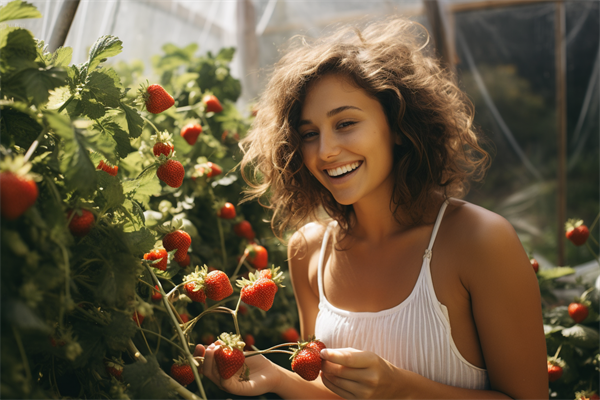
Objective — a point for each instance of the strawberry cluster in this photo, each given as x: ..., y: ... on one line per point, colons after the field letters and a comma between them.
x: 202, y: 284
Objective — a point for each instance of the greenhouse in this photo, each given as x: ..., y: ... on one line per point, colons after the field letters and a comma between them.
x: 230, y: 199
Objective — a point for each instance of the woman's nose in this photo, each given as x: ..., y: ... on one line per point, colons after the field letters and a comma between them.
x: 329, y: 145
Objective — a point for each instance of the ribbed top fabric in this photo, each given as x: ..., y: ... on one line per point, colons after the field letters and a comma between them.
x: 414, y: 335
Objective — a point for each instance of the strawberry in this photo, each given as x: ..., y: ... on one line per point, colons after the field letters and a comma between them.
x: 156, y: 98
x: 555, y: 371
x: 213, y: 170
x: 306, y: 362
x: 290, y: 335
x: 190, y: 132
x: 260, y: 291
x: 230, y: 137
x: 185, y: 262
x: 81, y: 222
x: 535, y: 265
x: 137, y: 318
x: 229, y: 357
x: 243, y: 309
x: 163, y: 144
x: 266, y: 273
x: 17, y: 194
x: 184, y: 317
x: 158, y: 254
x: 212, y: 103
x: 182, y: 372
x: 171, y: 172
x: 179, y: 240
x: 576, y: 232
x: 244, y: 230
x: 249, y: 340
x: 156, y: 296
x: 257, y: 255
x: 114, y: 368
x: 227, y: 211
x: 207, y: 339
x: 316, y: 344
x: 109, y: 169
x: 217, y: 285
x: 195, y: 291
x: 578, y: 312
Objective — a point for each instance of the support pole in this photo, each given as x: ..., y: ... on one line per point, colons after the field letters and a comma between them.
x: 442, y: 32
x: 561, y: 124
x: 63, y: 24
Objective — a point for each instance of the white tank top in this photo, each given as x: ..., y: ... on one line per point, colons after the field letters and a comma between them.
x: 414, y: 335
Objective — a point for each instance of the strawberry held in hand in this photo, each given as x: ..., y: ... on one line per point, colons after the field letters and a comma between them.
x: 18, y: 190
x: 260, y: 291
x: 306, y: 362
x: 257, y: 256
x: 81, y: 223
x: 578, y: 311
x: 190, y: 132
x: 182, y: 372
x: 229, y: 357
x: 576, y: 232
x: 212, y: 103
x: 156, y: 98
x: 171, y: 172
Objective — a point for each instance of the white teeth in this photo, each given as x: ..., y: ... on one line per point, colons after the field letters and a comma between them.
x: 343, y: 169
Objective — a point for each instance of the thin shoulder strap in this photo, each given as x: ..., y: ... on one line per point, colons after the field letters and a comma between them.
x: 438, y: 222
x: 322, y: 259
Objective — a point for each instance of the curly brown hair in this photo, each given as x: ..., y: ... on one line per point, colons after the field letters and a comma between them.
x: 440, y: 152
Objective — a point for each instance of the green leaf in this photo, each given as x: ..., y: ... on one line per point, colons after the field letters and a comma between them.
x: 140, y: 241
x: 121, y: 138
x: 110, y: 193
x: 58, y: 97
x: 106, y: 46
x: 135, y: 122
x: 104, y: 85
x: 75, y: 163
x: 17, y: 50
x: 226, y: 55
x: 62, y: 57
x: 553, y: 273
x: 582, y: 336
x: 145, y: 186
x: 19, y: 124
x: 92, y: 107
x: 101, y: 142
x: 550, y: 329
x: 18, y: 10
x: 39, y: 82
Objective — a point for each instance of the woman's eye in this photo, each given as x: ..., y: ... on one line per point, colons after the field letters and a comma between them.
x: 308, y: 135
x: 345, y: 124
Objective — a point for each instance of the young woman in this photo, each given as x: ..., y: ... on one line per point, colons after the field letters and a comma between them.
x: 416, y: 293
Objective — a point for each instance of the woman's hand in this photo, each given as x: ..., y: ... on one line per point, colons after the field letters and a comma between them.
x: 263, y: 376
x: 355, y: 374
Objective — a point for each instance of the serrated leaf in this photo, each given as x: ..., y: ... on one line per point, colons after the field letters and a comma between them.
x: 110, y: 192
x: 75, y: 163
x: 135, y: 122
x: 140, y: 241
x: 582, y: 336
x: 18, y: 9
x: 62, y: 57
x: 104, y: 85
x: 106, y: 46
x: 58, y: 97
x: 39, y: 82
x: 550, y: 329
x: 553, y: 273
x: 18, y: 124
x: 142, y: 188
x: 91, y: 107
x: 121, y: 138
x: 170, y: 273
x: 100, y: 142
x: 18, y: 50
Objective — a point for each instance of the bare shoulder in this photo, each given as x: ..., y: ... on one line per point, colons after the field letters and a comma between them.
x: 306, y: 240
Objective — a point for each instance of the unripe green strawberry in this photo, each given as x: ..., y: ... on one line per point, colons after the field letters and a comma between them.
x: 157, y: 99
x: 17, y: 194
x: 171, y: 172
x: 190, y: 132
x: 81, y: 223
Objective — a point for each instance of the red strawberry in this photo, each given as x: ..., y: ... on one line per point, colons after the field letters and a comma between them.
x: 229, y: 357
x: 190, y: 132
x: 249, y: 340
x: 207, y: 339
x: 156, y: 296
x: 217, y: 285
x: 114, y: 369
x: 162, y: 148
x: 317, y: 345
x: 185, y: 262
x: 260, y: 291
x: 171, y: 172
x: 306, y: 362
x: 244, y: 230
x: 182, y: 372
x: 578, y: 235
x: 227, y: 211
x: 184, y: 317
x: 578, y: 312
x: 17, y: 194
x: 81, y: 223
x: 195, y: 291
x: 137, y: 318
x: 266, y: 273
x: 535, y: 265
x: 555, y: 371
x: 158, y: 254
x: 179, y: 240
x: 213, y: 170
x: 109, y: 169
x: 257, y: 255
x: 157, y: 99
x: 212, y: 103
x: 290, y: 335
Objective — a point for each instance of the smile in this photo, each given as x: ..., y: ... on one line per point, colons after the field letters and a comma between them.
x: 343, y: 170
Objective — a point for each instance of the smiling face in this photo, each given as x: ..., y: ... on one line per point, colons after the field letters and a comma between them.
x: 346, y: 140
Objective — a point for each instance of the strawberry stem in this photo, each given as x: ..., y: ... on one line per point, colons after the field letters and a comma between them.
x: 255, y: 353
x: 595, y: 222
x: 161, y: 337
x: 34, y: 145
x: 184, y: 342
x: 183, y: 392
x: 234, y: 313
x: 135, y: 352
x: 188, y: 108
x: 23, y: 355
x: 557, y: 352
x: 151, y: 124
x: 592, y: 251
x: 237, y: 269
x: 65, y: 104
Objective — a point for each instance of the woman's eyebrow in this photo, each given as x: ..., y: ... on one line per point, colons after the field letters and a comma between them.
x: 330, y: 114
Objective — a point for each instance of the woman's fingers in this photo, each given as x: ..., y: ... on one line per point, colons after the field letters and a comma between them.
x: 337, y: 386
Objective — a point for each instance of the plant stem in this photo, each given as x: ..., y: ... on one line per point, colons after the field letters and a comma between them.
x: 237, y: 269
x: 557, y: 352
x: 162, y: 337
x: 234, y: 313
x: 184, y: 342
x: 594, y: 240
x: 135, y: 352
x: 65, y: 104
x: 23, y: 356
x: 267, y: 352
x: 183, y: 392
x: 595, y: 222
x: 151, y: 124
x: 592, y: 251
x: 34, y: 145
